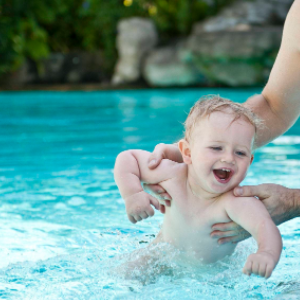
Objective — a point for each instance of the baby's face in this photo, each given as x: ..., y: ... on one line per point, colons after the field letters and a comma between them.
x: 221, y: 151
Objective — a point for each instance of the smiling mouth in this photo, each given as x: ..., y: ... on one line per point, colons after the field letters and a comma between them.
x: 223, y: 175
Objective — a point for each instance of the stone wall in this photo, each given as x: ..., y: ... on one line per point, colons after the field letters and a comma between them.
x: 235, y: 48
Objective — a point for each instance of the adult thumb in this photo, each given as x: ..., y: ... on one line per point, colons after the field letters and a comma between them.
x: 153, y: 162
x: 248, y: 191
x: 156, y: 156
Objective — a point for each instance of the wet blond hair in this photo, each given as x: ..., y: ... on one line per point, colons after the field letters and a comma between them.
x: 206, y: 105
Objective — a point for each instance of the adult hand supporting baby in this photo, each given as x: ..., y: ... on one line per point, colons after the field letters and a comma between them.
x: 162, y: 151
x: 283, y: 204
x: 279, y: 107
x: 160, y: 193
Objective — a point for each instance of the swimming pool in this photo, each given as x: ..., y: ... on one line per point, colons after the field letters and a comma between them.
x: 63, y: 225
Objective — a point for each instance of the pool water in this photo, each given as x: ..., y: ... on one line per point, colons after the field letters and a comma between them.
x: 63, y: 227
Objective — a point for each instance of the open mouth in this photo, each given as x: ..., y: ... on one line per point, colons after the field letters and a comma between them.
x: 223, y: 175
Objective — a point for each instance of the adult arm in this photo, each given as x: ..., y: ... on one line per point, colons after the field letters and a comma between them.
x: 279, y: 104
x: 279, y: 107
x: 283, y: 204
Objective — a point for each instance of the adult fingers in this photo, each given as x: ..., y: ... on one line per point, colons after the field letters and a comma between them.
x: 227, y: 240
x: 251, y: 190
x: 166, y: 196
x: 162, y: 208
x: 222, y: 234
x: 168, y: 203
x: 156, y: 156
x: 155, y: 188
x: 225, y: 226
x: 235, y: 238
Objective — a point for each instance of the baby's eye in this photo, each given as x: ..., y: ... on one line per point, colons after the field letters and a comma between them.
x: 216, y: 148
x: 241, y: 153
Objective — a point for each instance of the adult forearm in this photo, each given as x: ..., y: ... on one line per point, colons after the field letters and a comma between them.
x: 295, y: 196
x: 273, y: 125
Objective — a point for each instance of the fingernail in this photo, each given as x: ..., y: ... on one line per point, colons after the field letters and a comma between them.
x: 153, y: 162
x: 239, y: 191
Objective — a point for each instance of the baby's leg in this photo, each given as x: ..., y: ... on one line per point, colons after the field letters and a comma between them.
x: 145, y: 265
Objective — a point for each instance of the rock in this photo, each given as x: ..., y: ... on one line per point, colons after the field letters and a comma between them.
x: 84, y: 67
x: 247, y: 13
x: 26, y: 74
x: 60, y: 68
x: 72, y: 68
x: 167, y: 67
x: 136, y: 37
x: 52, y: 69
x: 235, y: 58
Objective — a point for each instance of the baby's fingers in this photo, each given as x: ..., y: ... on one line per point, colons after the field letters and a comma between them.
x: 132, y: 219
x: 137, y: 218
x: 255, y: 267
x: 269, y: 271
x: 265, y: 270
x: 155, y: 203
x: 247, y: 270
x: 262, y: 269
x: 150, y: 212
x: 144, y: 215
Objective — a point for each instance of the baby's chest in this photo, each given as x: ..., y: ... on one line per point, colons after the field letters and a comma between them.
x: 192, y: 212
x: 200, y: 214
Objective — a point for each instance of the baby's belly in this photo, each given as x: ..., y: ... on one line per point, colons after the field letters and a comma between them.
x: 196, y: 245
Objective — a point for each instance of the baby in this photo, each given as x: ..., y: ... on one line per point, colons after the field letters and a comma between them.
x: 217, y: 152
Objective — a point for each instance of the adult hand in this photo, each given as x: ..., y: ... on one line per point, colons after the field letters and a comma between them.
x: 162, y: 151
x: 160, y: 193
x: 282, y: 204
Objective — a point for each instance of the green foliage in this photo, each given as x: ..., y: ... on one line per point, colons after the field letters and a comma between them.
x: 34, y: 28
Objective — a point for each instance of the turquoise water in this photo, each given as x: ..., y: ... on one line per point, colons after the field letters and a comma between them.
x: 63, y: 227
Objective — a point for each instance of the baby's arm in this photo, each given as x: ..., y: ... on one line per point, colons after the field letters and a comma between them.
x: 130, y: 169
x: 252, y: 215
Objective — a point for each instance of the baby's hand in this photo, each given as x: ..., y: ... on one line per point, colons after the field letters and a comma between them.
x: 260, y: 263
x: 138, y: 206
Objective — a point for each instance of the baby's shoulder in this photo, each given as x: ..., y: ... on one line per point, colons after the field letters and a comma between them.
x: 230, y: 197
x: 230, y: 201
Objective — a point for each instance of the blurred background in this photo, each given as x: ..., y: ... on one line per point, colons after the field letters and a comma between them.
x: 107, y: 44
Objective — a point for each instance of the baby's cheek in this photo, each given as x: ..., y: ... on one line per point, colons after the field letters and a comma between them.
x: 244, y: 171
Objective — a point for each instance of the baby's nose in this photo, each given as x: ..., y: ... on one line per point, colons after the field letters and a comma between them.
x: 229, y: 159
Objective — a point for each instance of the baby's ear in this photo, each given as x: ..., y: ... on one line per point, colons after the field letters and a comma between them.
x: 185, y: 150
